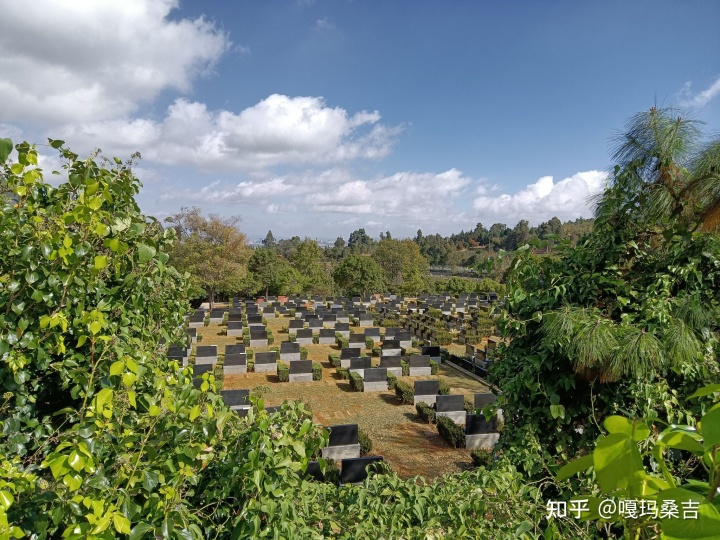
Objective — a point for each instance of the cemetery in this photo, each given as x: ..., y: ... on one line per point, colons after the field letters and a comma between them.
x: 352, y: 373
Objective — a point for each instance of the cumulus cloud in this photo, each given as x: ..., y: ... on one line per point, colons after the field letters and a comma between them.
x: 566, y: 199
x: 97, y: 60
x: 277, y: 130
x: 688, y: 99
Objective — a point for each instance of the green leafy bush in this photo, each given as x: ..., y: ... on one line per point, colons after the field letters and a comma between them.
x: 434, y: 367
x: 303, y: 353
x: 425, y: 412
x: 405, y: 392
x: 369, y: 343
x: 199, y: 337
x: 343, y: 373
x: 283, y: 372
x: 392, y: 381
x: 405, y: 368
x: 316, y: 340
x: 376, y: 351
x: 356, y: 382
x: 444, y: 387
x: 366, y: 444
x: 343, y: 342
x: 334, y: 360
x: 317, y: 371
x: 451, y: 432
x: 443, y: 337
x: 481, y: 457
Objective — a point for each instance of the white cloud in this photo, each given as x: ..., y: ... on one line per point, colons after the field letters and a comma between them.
x: 77, y: 61
x: 687, y: 99
x: 277, y: 130
x: 566, y: 199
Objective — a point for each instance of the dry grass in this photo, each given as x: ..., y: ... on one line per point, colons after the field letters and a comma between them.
x: 409, y: 446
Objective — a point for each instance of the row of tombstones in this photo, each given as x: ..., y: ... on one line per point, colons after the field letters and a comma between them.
x: 479, y: 432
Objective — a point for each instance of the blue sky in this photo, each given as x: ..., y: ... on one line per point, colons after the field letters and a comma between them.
x: 315, y: 118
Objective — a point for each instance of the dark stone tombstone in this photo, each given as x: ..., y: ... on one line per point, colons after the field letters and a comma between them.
x: 342, y: 327
x: 300, y: 366
x: 378, y: 374
x: 343, y: 434
x: 358, y: 339
x: 391, y: 344
x: 313, y: 471
x: 432, y: 352
x: 206, y: 350
x: 305, y: 333
x: 350, y: 352
x: 362, y: 362
x: 235, y: 398
x: 418, y: 361
x: 390, y: 362
x: 234, y: 349
x: 198, y: 370
x: 287, y: 347
x: 258, y: 334
x: 315, y: 323
x: 426, y: 388
x: 356, y: 470
x: 266, y: 357
x: 475, y: 424
x: 234, y: 360
x: 451, y: 403
x: 234, y: 328
x: 327, y: 333
x: 296, y: 324
x: 485, y: 398
x: 373, y: 333
x: 254, y: 319
x: 176, y: 351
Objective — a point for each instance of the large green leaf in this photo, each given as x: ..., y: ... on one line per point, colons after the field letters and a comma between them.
x: 697, y: 518
x: 6, y: 147
x: 574, y: 467
x: 617, y: 462
x: 145, y: 253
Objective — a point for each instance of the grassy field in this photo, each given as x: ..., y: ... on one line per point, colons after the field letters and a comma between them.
x: 408, y: 445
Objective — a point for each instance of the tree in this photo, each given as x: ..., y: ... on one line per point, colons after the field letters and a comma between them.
x: 360, y: 242
x: 264, y: 266
x: 519, y: 236
x: 212, y: 250
x: 626, y: 321
x: 398, y: 259
x: 358, y: 275
x: 307, y: 260
x: 269, y: 240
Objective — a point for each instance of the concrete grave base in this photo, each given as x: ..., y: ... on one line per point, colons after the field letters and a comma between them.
x: 392, y: 352
x: 240, y: 408
x: 269, y: 315
x: 304, y: 341
x: 456, y: 416
x: 205, y: 360
x: 486, y: 440
x: 216, y: 320
x: 420, y: 371
x: 238, y: 332
x: 345, y: 334
x: 196, y: 324
x: 258, y: 343
x: 378, y: 386
x: 265, y: 368
x: 397, y: 371
x: 406, y: 344
x: 429, y: 400
x: 363, y: 323
x: 360, y: 372
x: 326, y: 341
x: 234, y: 370
x: 301, y: 377
x: 289, y: 357
x: 337, y: 453
x: 345, y: 363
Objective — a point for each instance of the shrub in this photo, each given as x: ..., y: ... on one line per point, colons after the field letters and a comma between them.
x: 316, y: 371
x: 343, y: 373
x: 250, y: 354
x: 481, y: 457
x: 199, y: 337
x: 443, y: 337
x: 356, y: 382
x: 316, y: 340
x: 283, y: 372
x: 451, y: 432
x: 434, y: 367
x: 425, y: 412
x: 343, y: 342
x: 469, y: 404
x: 369, y: 343
x: 271, y: 337
x: 292, y: 312
x: 405, y: 392
x: 376, y: 351
x: 444, y: 387
x: 405, y: 368
x: 292, y: 338
x: 366, y: 444
x: 334, y: 360
x: 391, y: 381
x: 259, y: 391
